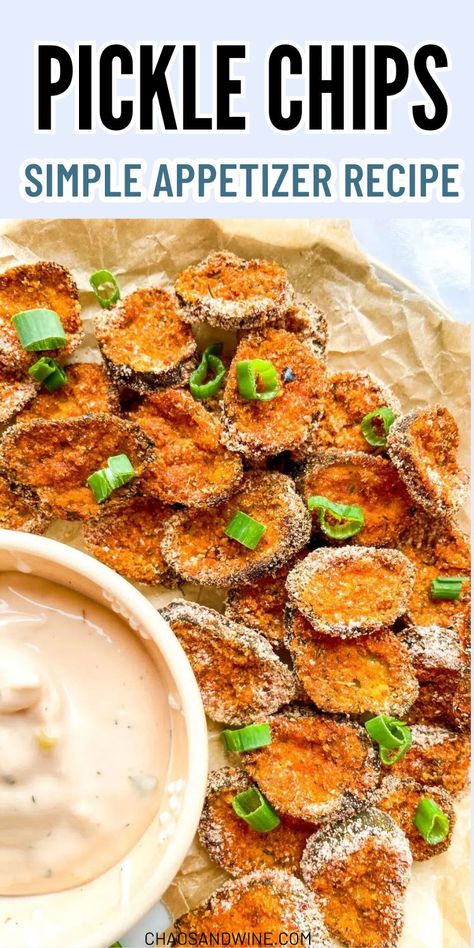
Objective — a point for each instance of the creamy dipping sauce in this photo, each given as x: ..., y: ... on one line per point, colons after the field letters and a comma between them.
x: 84, y: 737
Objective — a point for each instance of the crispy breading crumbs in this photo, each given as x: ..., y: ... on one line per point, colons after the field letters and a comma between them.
x: 87, y: 391
x: 437, y: 757
x: 15, y: 394
x: 400, y: 799
x: 21, y: 511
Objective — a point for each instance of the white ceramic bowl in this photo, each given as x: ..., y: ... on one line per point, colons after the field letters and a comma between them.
x: 94, y: 915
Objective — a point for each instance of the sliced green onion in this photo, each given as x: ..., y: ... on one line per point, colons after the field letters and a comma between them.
x: 100, y: 485
x: 105, y: 287
x: 376, y: 426
x: 245, y: 530
x: 247, y: 738
x: 252, y: 807
x: 39, y: 329
x: 49, y: 372
x: 431, y: 822
x: 119, y: 471
x: 209, y: 364
x: 393, y: 737
x: 250, y: 372
x: 446, y: 587
x: 350, y: 518
x: 121, y: 468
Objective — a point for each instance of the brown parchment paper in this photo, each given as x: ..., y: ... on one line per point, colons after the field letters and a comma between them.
x: 417, y: 349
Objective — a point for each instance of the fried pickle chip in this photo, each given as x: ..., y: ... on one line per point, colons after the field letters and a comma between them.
x: 372, y: 673
x: 400, y: 799
x: 238, y: 673
x: 15, y: 394
x: 443, y: 551
x: 237, y: 847
x: 351, y: 591
x: 224, y: 290
x: 370, y: 482
x: 270, y: 903
x: 145, y: 342
x: 40, y: 285
x: 262, y: 605
x: 316, y: 768
x: 259, y: 429
x: 440, y: 665
x: 87, y: 391
x: 196, y: 547
x: 349, y: 397
x: 55, y: 458
x: 423, y: 446
x: 127, y: 537
x: 437, y: 757
x: 359, y: 870
x: 307, y: 322
x: 191, y: 466
x: 21, y: 511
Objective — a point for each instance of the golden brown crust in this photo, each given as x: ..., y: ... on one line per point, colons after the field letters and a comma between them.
x: 437, y: 551
x: 400, y: 799
x: 196, y: 547
x: 371, y: 674
x: 56, y: 458
x: 224, y: 290
x: 238, y: 673
x: 351, y: 591
x: 15, y: 394
x: 441, y: 667
x: 145, y: 342
x: 41, y: 285
x: 237, y: 847
x: 316, y: 767
x: 127, y: 537
x: 262, y: 605
x: 259, y: 429
x: 423, y: 446
x: 21, y: 511
x: 191, y: 466
x: 307, y: 322
x: 437, y: 757
x: 87, y: 391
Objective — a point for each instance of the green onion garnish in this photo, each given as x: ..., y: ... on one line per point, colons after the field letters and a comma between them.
x: 446, y: 587
x: 119, y: 471
x: 431, y: 822
x: 252, y: 807
x: 349, y: 518
x: 105, y: 287
x: 247, y: 738
x: 393, y: 737
x: 245, y: 530
x: 39, y: 329
x: 209, y: 364
x: 49, y: 372
x: 376, y: 426
x: 251, y: 372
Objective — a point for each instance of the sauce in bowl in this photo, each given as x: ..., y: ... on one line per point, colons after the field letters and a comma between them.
x: 85, y: 737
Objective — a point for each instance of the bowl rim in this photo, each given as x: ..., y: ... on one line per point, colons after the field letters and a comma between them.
x: 177, y: 663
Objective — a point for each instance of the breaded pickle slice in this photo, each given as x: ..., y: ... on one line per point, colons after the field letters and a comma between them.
x: 358, y: 870
x: 237, y: 847
x: 316, y: 767
x: 197, y: 548
x: 351, y: 591
x: 40, y: 285
x: 127, y: 537
x: 262, y: 605
x: 370, y: 674
x: 423, y: 446
x: 400, y: 799
x: 259, y: 429
x: 269, y: 903
x: 307, y: 322
x: 191, y: 466
x: 444, y: 551
x: 15, y: 394
x: 366, y: 480
x: 21, y: 511
x: 87, y: 391
x: 56, y: 458
x: 349, y: 397
x: 441, y: 667
x: 238, y: 673
x: 145, y: 342
x: 437, y: 757
x: 224, y: 290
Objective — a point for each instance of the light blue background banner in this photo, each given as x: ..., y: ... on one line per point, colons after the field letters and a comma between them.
x: 261, y: 25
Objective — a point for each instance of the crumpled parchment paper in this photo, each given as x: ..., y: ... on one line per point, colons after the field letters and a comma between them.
x: 420, y: 351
